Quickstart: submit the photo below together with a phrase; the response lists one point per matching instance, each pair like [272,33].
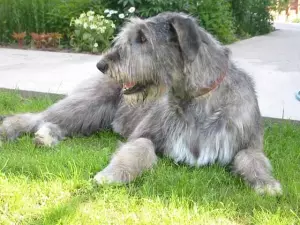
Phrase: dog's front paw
[43,137]
[8,128]
[105,177]
[272,188]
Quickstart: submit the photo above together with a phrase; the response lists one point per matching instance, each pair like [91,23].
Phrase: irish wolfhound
[169,87]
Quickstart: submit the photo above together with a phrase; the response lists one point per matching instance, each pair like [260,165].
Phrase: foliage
[119,17]
[23,15]
[225,19]
[46,40]
[59,16]
[42,15]
[215,17]
[92,32]
[126,3]
[123,5]
[252,17]
[152,7]
[279,5]
[296,20]
[19,37]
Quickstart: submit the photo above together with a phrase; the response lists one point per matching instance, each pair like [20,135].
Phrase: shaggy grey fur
[170,60]
[128,162]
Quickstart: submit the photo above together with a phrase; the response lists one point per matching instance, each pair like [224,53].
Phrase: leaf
[77,32]
[86,36]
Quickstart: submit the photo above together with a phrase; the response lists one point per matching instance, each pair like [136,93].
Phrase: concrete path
[43,71]
[273,60]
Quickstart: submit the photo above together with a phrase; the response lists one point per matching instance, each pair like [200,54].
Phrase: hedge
[227,20]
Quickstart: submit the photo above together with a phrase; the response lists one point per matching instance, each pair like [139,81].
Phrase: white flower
[85,25]
[91,18]
[93,27]
[96,45]
[90,13]
[78,22]
[113,12]
[121,16]
[106,11]
[82,15]
[109,15]
[102,30]
[131,9]
[113,25]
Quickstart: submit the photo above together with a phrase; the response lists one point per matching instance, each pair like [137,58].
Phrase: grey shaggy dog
[170,88]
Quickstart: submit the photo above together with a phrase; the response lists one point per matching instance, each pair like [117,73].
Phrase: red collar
[214,85]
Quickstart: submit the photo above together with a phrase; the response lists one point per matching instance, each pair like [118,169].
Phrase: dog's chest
[194,148]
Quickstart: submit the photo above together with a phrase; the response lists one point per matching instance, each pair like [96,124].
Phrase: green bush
[119,16]
[225,19]
[214,16]
[252,17]
[42,15]
[23,15]
[92,33]
[59,16]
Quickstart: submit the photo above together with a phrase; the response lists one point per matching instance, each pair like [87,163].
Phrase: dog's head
[156,51]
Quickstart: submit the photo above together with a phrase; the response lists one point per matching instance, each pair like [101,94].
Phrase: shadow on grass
[66,209]
[58,213]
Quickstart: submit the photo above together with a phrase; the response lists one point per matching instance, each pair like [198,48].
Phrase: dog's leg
[48,135]
[256,169]
[88,109]
[13,126]
[131,159]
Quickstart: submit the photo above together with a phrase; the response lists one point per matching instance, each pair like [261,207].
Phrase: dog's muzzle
[102,65]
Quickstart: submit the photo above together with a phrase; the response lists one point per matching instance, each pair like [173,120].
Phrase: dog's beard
[138,92]
[146,94]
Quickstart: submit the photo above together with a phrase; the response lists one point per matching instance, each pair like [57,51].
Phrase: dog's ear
[187,36]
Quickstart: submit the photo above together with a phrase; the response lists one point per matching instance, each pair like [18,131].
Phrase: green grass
[52,186]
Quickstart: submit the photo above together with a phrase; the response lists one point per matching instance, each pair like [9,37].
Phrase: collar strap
[203,91]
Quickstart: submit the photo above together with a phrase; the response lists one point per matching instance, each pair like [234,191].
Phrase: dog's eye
[141,37]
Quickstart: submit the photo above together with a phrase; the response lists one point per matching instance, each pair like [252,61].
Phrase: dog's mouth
[133,87]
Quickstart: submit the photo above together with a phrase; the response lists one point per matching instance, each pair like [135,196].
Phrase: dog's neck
[206,90]
[151,94]
[201,92]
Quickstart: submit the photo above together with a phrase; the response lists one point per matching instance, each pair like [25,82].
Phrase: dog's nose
[102,66]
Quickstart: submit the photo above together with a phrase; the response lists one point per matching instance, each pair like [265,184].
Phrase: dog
[170,88]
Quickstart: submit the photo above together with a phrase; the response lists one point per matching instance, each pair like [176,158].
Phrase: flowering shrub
[45,40]
[19,37]
[119,17]
[92,32]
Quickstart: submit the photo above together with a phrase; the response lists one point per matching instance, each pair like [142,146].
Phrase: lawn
[52,186]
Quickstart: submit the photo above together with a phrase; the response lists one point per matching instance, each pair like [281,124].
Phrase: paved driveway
[273,60]
[44,71]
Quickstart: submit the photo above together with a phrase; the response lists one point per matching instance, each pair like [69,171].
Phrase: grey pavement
[273,61]
[44,71]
